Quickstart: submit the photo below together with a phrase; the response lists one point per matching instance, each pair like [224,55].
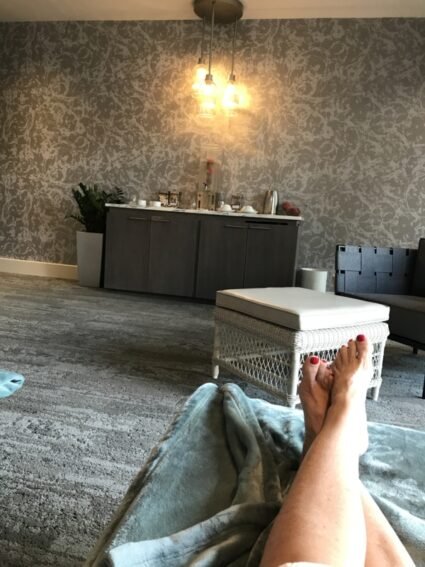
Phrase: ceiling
[43,10]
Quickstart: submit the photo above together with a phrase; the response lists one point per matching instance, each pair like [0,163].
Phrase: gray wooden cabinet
[127,243]
[194,255]
[221,256]
[173,249]
[245,253]
[270,254]
[151,252]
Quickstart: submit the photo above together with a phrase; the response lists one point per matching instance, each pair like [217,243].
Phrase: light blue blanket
[210,491]
[10,382]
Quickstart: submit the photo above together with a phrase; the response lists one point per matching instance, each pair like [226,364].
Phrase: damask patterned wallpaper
[336,124]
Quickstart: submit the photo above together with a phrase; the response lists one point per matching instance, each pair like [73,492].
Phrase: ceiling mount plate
[225,11]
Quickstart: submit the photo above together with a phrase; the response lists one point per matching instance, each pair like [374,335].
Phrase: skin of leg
[322,517]
[314,392]
[384,548]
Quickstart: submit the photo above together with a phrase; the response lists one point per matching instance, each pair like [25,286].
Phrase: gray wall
[336,124]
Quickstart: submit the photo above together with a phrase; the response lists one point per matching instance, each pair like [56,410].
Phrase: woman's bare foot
[352,371]
[314,391]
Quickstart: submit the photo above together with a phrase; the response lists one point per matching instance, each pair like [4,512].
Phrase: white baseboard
[43,269]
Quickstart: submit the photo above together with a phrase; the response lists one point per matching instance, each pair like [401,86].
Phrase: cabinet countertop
[204,212]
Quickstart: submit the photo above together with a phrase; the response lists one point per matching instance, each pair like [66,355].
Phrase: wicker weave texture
[271,356]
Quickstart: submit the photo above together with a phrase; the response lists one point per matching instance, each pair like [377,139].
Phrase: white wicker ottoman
[264,335]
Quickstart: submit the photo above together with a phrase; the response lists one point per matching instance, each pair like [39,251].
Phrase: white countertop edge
[203,212]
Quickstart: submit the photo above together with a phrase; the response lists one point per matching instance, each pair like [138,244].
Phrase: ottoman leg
[292,397]
[215,371]
[375,391]
[216,351]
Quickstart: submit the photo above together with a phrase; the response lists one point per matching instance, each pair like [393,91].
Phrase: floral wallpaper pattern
[336,124]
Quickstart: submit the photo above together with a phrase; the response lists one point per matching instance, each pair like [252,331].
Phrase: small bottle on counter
[209,178]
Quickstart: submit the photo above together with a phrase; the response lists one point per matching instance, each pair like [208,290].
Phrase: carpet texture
[104,374]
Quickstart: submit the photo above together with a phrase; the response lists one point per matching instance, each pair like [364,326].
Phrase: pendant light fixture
[231,97]
[218,12]
[209,92]
[200,71]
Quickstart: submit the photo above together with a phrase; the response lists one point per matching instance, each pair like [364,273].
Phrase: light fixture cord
[211,36]
[201,59]
[233,48]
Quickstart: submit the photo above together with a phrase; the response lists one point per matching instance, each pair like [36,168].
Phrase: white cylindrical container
[310,278]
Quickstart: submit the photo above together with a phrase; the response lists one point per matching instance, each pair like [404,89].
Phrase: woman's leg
[314,391]
[322,517]
[384,548]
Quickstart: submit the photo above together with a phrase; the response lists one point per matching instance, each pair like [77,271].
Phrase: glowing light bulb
[231,97]
[200,71]
[208,97]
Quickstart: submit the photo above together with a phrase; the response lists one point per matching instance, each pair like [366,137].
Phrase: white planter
[89,258]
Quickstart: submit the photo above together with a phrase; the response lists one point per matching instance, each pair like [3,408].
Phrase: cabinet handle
[272,223]
[258,228]
[234,226]
[160,219]
[137,218]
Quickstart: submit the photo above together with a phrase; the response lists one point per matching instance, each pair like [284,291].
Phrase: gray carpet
[105,372]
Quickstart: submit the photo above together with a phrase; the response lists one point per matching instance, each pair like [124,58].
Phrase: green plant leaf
[91,204]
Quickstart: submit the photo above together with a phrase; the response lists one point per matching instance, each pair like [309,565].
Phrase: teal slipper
[10,382]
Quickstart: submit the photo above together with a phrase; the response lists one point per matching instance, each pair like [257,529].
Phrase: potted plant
[91,203]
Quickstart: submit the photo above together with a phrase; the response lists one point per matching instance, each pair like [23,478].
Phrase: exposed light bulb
[199,73]
[208,97]
[231,97]
[234,97]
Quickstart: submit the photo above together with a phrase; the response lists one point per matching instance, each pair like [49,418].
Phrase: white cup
[155,203]
[141,202]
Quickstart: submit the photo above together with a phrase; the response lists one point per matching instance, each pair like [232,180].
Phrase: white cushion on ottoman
[301,309]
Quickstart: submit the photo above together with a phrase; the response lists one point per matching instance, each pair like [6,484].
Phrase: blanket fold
[209,493]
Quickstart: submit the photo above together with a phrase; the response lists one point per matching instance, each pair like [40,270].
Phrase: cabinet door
[127,250]
[221,257]
[270,254]
[172,263]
